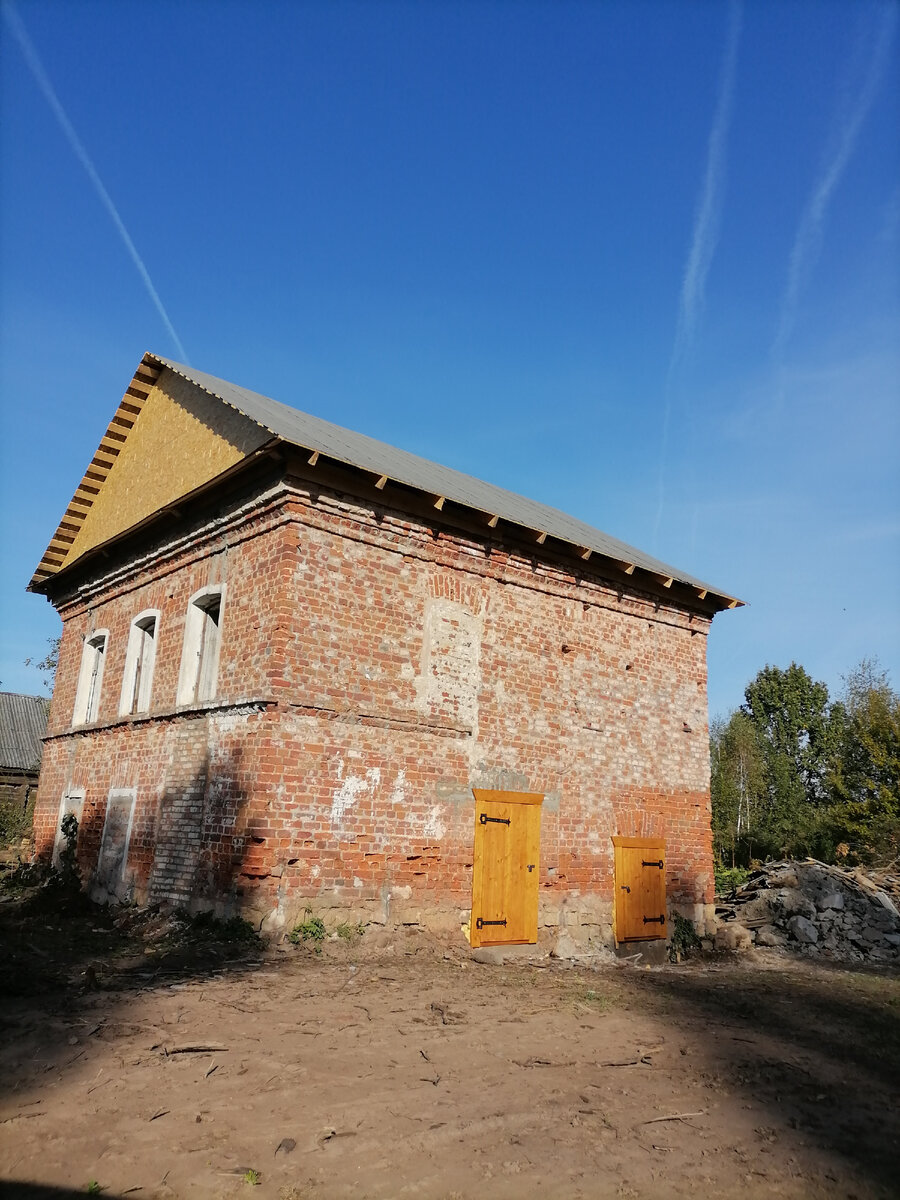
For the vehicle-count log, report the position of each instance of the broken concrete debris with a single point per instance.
(816, 909)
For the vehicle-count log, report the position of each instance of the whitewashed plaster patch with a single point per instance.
(434, 826)
(349, 790)
(398, 791)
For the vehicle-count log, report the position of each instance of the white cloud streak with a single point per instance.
(707, 222)
(14, 23)
(709, 210)
(808, 239)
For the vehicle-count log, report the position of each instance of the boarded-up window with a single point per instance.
(451, 663)
(116, 836)
(72, 802)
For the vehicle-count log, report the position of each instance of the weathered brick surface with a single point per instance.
(373, 670)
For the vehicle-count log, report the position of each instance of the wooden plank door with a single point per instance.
(640, 889)
(506, 868)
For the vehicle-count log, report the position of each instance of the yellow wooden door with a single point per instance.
(505, 868)
(640, 888)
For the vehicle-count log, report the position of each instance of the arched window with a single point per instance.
(90, 678)
(140, 657)
(200, 654)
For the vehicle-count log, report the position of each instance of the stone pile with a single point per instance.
(816, 909)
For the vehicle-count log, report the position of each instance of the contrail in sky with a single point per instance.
(809, 231)
(705, 235)
(18, 30)
(709, 210)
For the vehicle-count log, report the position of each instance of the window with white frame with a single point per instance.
(202, 639)
(72, 802)
(90, 678)
(140, 657)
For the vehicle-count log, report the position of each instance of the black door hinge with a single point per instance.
(654, 920)
(484, 818)
(479, 924)
(655, 863)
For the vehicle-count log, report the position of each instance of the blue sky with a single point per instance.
(637, 260)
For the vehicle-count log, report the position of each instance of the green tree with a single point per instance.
(798, 738)
(864, 782)
(737, 787)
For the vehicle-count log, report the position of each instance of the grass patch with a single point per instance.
(350, 932)
(591, 997)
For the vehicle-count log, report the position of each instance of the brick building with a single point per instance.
(301, 668)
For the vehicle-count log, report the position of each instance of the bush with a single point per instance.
(684, 939)
(729, 878)
(349, 932)
(216, 929)
(311, 929)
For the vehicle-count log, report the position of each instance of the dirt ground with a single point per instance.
(396, 1066)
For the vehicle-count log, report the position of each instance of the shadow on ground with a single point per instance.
(16, 1190)
(816, 1044)
(58, 951)
(812, 1049)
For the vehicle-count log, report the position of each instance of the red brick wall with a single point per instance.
(372, 672)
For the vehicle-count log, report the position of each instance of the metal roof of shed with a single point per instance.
(23, 722)
(386, 461)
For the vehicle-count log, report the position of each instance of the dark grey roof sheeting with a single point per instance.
(23, 722)
(358, 450)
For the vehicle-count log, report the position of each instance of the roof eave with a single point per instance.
(703, 592)
(53, 564)
(720, 601)
(54, 558)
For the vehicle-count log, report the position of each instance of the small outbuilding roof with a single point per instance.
(23, 722)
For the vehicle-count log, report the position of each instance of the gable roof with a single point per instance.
(23, 722)
(380, 460)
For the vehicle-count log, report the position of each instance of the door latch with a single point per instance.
(531, 866)
(626, 888)
(484, 818)
(480, 924)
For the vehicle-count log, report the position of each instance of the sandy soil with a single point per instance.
(407, 1069)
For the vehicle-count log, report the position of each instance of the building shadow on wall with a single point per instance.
(814, 1051)
(198, 848)
(193, 857)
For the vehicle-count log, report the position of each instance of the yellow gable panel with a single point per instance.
(182, 438)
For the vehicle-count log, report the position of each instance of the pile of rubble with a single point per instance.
(816, 909)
